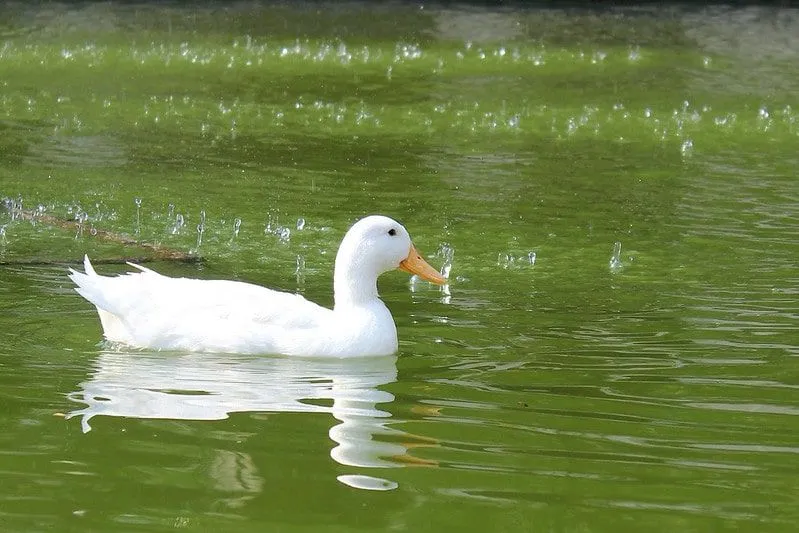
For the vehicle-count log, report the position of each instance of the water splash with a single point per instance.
(236, 227)
(531, 258)
(14, 207)
(179, 223)
(200, 229)
(81, 217)
(615, 263)
(687, 147)
(300, 271)
(284, 235)
(137, 201)
(446, 252)
(300, 224)
(281, 232)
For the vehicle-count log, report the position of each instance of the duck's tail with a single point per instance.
(94, 288)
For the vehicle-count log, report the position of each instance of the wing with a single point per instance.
(147, 305)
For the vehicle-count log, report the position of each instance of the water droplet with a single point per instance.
(200, 229)
(179, 222)
(615, 259)
(300, 270)
(137, 201)
(446, 252)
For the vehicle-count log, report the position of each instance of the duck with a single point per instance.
(148, 310)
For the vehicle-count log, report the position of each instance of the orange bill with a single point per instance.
(415, 264)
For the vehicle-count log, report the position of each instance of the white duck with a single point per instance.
(148, 310)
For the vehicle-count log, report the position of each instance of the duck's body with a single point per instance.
(148, 310)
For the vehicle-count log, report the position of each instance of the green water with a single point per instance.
(552, 386)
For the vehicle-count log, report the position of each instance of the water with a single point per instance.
(612, 194)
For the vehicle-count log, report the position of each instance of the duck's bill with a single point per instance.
(415, 264)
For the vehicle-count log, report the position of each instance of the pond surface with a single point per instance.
(614, 190)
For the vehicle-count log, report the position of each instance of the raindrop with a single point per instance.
(615, 259)
(446, 295)
(447, 252)
(505, 260)
(81, 217)
(137, 200)
(179, 222)
(300, 270)
(200, 229)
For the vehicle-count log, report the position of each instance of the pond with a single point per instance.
(614, 191)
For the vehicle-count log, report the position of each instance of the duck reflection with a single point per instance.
(210, 387)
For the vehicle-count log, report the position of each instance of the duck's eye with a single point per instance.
(392, 232)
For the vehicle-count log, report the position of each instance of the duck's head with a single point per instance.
(378, 244)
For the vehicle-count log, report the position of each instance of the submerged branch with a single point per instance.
(154, 252)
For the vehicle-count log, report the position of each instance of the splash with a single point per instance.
(137, 201)
(615, 263)
(200, 229)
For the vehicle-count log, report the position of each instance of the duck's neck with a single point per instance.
(354, 284)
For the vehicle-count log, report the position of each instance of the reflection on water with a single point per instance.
(210, 387)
